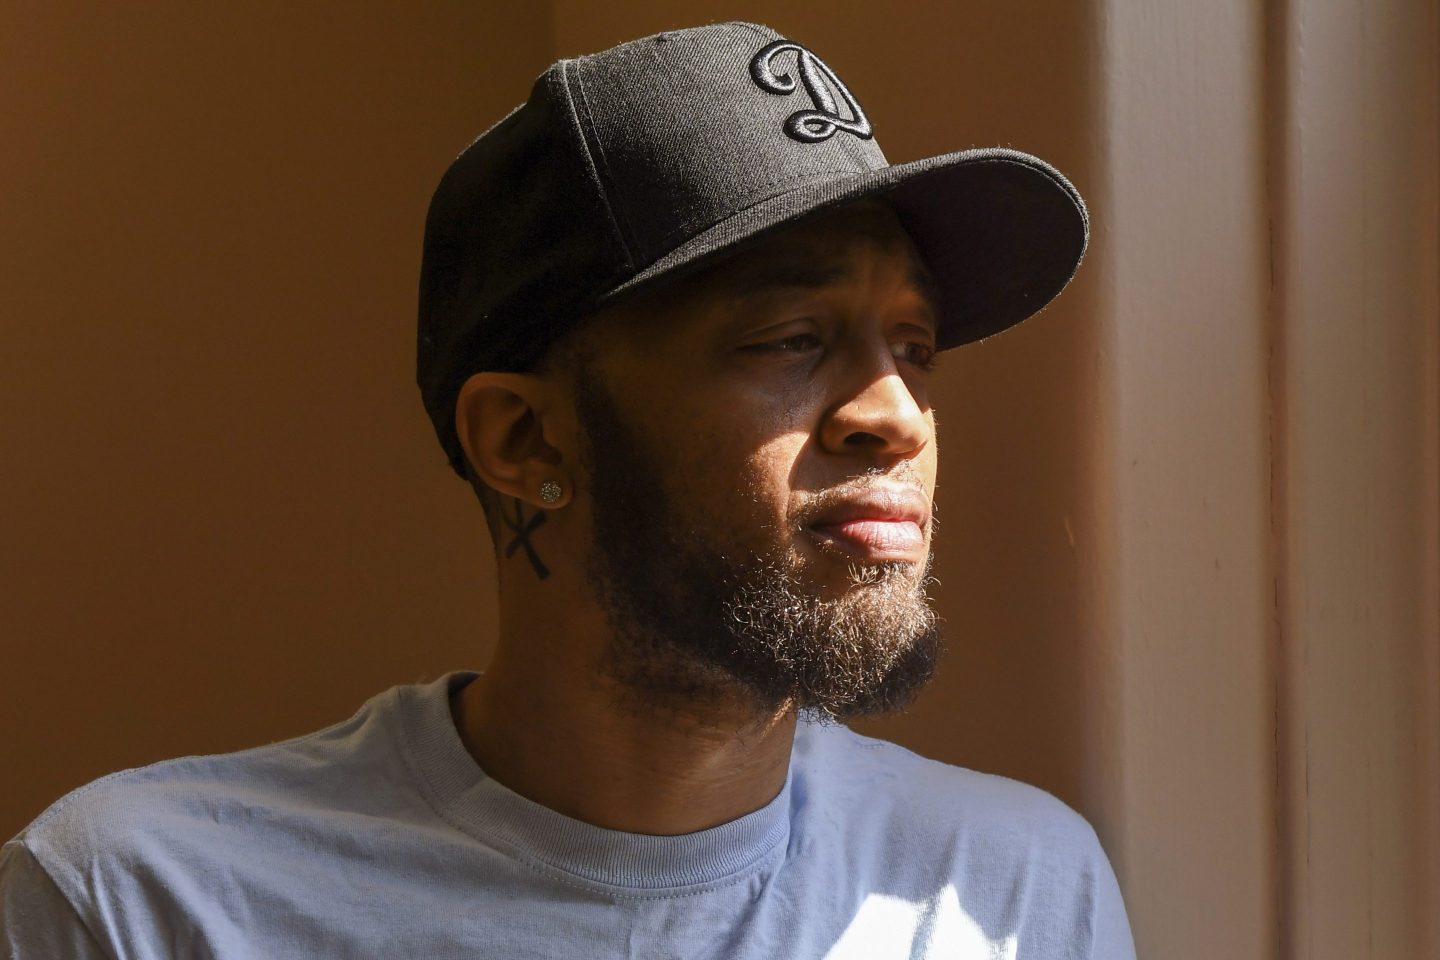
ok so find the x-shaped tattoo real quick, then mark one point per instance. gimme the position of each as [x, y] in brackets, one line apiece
[523, 527]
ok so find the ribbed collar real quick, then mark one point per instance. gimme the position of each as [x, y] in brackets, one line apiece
[463, 794]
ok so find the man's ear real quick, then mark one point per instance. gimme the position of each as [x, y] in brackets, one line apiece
[500, 419]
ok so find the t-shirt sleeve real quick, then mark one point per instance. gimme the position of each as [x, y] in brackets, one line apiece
[1112, 937]
[36, 920]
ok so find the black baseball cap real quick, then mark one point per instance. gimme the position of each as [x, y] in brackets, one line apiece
[628, 167]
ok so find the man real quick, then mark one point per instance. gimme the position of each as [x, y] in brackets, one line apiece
[678, 321]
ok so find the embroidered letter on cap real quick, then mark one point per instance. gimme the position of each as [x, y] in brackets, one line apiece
[810, 126]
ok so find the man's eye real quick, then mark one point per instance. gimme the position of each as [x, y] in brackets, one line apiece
[921, 355]
[792, 344]
[915, 352]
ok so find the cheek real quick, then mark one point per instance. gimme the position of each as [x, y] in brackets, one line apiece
[770, 476]
[738, 484]
[732, 448]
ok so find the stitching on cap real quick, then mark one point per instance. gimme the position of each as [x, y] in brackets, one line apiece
[620, 235]
[755, 29]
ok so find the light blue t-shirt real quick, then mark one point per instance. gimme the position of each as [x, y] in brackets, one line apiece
[381, 837]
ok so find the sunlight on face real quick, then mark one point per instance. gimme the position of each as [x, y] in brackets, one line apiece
[733, 432]
[788, 377]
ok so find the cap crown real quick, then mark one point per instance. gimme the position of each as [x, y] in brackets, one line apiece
[616, 158]
[685, 130]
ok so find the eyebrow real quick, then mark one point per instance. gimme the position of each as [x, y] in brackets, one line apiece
[776, 274]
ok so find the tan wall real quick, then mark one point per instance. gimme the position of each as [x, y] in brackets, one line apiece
[1186, 757]
[1189, 553]
[1271, 757]
[1358, 281]
[223, 519]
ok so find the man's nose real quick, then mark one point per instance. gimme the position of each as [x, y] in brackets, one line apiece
[881, 418]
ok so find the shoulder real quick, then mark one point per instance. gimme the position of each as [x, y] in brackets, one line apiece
[140, 830]
[162, 790]
[899, 809]
[1003, 860]
[36, 919]
[200, 846]
[925, 796]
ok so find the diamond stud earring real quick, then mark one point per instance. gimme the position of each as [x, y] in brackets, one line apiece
[550, 491]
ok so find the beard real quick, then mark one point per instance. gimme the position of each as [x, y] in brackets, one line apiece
[699, 620]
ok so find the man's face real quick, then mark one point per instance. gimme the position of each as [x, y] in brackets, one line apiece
[761, 459]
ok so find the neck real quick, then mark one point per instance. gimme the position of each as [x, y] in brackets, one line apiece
[542, 722]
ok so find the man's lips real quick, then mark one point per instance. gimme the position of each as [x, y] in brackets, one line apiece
[880, 522]
[878, 536]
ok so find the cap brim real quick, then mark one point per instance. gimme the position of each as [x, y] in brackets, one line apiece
[1001, 231]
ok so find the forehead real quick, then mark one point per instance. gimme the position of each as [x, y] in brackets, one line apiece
[814, 252]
